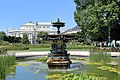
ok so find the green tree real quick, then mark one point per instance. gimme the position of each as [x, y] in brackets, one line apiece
[96, 17]
[39, 35]
[2, 35]
[80, 37]
[25, 39]
[12, 39]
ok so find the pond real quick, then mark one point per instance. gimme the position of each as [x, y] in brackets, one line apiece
[32, 70]
[29, 71]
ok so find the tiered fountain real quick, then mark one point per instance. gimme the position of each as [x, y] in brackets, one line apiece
[58, 58]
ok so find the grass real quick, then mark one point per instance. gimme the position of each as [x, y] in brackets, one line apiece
[31, 49]
[79, 47]
[46, 47]
[118, 60]
[38, 49]
[100, 56]
[43, 47]
[6, 61]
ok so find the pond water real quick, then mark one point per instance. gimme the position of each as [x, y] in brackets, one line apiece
[31, 70]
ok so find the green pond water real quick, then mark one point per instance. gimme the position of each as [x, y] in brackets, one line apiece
[31, 70]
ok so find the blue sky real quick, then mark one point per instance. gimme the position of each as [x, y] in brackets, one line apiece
[14, 13]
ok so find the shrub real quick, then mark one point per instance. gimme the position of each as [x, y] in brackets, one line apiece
[39, 46]
[3, 51]
[16, 47]
[107, 49]
[75, 46]
[4, 43]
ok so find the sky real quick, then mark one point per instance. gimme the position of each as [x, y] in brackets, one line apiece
[14, 13]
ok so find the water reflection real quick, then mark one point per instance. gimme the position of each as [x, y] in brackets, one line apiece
[31, 70]
[36, 71]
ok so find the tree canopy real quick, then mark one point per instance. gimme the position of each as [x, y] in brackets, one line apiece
[25, 39]
[96, 17]
[12, 39]
[39, 35]
[2, 35]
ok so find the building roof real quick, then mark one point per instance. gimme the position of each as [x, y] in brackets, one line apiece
[29, 24]
[44, 23]
[37, 23]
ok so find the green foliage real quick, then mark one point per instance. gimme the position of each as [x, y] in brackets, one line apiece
[39, 36]
[5, 62]
[15, 47]
[25, 39]
[80, 77]
[12, 39]
[69, 46]
[39, 46]
[95, 17]
[3, 51]
[2, 35]
[79, 47]
[100, 56]
[44, 59]
[80, 36]
[4, 43]
[118, 60]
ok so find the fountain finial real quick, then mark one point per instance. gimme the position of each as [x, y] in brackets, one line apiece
[58, 20]
[58, 24]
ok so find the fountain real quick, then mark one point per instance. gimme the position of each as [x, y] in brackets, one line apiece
[59, 57]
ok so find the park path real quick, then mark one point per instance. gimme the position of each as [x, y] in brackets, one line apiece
[72, 53]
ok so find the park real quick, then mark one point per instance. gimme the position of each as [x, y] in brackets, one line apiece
[91, 53]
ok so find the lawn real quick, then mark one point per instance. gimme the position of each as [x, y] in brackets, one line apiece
[44, 47]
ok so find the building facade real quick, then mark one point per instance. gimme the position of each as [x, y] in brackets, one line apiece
[31, 29]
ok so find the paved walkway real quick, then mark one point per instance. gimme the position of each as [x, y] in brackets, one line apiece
[73, 53]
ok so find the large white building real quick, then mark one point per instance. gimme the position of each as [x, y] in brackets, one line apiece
[32, 29]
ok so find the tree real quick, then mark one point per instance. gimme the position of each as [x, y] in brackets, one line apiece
[25, 39]
[2, 35]
[80, 36]
[96, 17]
[39, 35]
[12, 39]
[17, 39]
